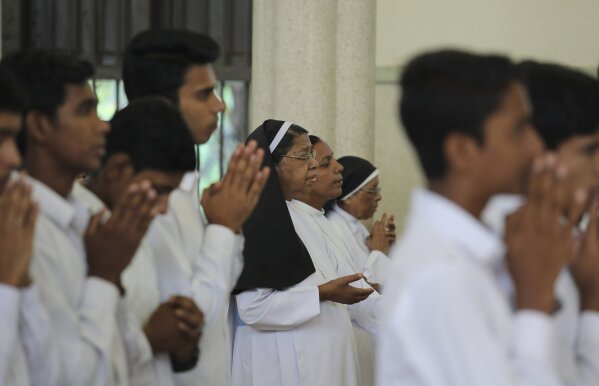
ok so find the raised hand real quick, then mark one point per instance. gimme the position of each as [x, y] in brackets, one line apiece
[382, 235]
[231, 201]
[585, 265]
[340, 290]
[539, 237]
[111, 245]
[18, 214]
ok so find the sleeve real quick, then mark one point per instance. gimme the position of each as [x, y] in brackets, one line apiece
[216, 270]
[9, 328]
[377, 267]
[36, 335]
[84, 333]
[587, 348]
[278, 310]
[138, 350]
[445, 329]
[367, 313]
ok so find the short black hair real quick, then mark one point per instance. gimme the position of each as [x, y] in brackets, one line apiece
[153, 134]
[286, 143]
[314, 139]
[450, 91]
[155, 61]
[44, 75]
[12, 98]
[565, 101]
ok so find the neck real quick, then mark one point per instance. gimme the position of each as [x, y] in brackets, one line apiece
[46, 170]
[464, 194]
[315, 202]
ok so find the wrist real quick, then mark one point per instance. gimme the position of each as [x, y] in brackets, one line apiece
[323, 293]
[589, 299]
[537, 301]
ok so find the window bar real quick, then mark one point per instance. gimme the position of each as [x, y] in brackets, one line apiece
[221, 134]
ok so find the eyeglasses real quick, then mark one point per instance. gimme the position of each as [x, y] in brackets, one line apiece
[373, 192]
[306, 157]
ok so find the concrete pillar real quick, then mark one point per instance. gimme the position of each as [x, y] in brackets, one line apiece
[313, 64]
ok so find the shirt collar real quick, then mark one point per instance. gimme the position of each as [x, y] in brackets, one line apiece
[459, 226]
[189, 181]
[307, 208]
[343, 213]
[66, 213]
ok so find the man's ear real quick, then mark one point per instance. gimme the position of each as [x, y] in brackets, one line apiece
[461, 152]
[117, 167]
[39, 127]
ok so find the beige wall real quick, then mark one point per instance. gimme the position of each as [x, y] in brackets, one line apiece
[564, 31]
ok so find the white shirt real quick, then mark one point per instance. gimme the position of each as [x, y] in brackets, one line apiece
[82, 310]
[577, 332]
[27, 356]
[290, 338]
[448, 322]
[374, 264]
[142, 298]
[203, 262]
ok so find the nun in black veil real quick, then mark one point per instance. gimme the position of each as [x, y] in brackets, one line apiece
[292, 324]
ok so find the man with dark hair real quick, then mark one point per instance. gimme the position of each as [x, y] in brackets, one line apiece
[77, 259]
[566, 115]
[26, 354]
[448, 322]
[149, 143]
[205, 258]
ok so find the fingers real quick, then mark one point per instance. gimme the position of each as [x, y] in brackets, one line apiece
[578, 206]
[344, 280]
[258, 185]
[94, 223]
[233, 161]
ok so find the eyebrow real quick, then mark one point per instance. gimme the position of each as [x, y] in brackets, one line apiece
[5, 131]
[88, 103]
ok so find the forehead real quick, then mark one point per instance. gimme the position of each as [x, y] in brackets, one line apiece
[373, 183]
[9, 121]
[199, 76]
[301, 142]
[77, 93]
[160, 177]
[322, 150]
[515, 101]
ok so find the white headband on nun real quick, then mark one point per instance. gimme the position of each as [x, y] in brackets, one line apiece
[280, 134]
[367, 180]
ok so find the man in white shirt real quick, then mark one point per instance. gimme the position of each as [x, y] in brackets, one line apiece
[198, 259]
[149, 143]
[566, 115]
[26, 354]
[77, 259]
[447, 322]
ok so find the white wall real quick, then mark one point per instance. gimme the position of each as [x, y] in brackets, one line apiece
[563, 31]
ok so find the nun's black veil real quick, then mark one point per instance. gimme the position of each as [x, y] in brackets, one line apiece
[274, 256]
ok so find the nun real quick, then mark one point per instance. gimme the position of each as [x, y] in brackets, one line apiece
[322, 238]
[292, 322]
[360, 195]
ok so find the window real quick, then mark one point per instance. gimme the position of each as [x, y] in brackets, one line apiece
[98, 30]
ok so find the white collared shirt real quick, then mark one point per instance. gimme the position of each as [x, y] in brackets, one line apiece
[27, 356]
[82, 310]
[203, 262]
[142, 298]
[577, 332]
[374, 264]
[447, 322]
